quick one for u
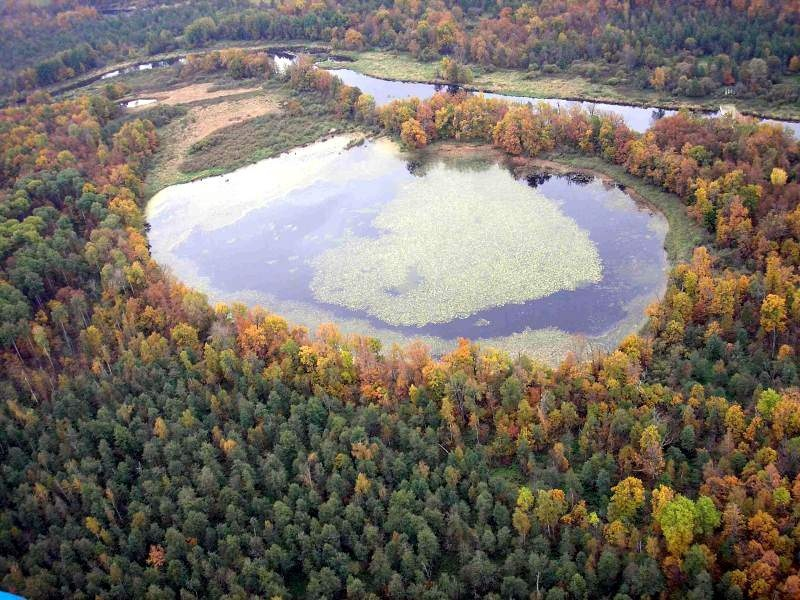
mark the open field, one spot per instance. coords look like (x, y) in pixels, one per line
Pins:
(199, 122)
(255, 139)
(198, 92)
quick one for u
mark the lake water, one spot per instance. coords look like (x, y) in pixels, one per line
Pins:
(436, 248)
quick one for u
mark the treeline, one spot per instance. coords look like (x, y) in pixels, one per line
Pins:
(687, 48)
(46, 43)
(153, 446)
(237, 64)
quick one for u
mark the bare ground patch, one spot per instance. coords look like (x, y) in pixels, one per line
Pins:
(200, 122)
(188, 94)
(197, 92)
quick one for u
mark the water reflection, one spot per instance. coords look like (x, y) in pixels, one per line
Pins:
(384, 91)
(256, 232)
(140, 102)
(638, 118)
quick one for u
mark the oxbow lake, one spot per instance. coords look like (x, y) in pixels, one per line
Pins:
(406, 248)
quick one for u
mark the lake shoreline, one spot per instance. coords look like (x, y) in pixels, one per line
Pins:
(674, 211)
(535, 325)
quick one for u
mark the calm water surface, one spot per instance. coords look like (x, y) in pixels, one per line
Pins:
(638, 118)
(255, 235)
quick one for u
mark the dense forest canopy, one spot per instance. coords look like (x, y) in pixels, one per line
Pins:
(689, 48)
(154, 446)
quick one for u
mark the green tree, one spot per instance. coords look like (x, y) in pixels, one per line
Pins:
(677, 522)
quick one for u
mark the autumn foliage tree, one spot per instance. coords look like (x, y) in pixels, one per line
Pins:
(153, 445)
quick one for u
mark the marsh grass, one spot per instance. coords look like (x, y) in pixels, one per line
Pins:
(263, 137)
(571, 85)
(187, 153)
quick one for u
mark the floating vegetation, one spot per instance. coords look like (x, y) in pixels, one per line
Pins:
(451, 247)
(459, 246)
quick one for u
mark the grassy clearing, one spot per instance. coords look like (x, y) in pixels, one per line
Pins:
(153, 82)
(262, 137)
(390, 65)
(194, 122)
(220, 133)
(683, 235)
(395, 65)
(199, 92)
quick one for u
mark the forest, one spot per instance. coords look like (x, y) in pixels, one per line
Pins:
(746, 48)
(155, 446)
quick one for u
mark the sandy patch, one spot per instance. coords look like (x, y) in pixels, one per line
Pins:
(200, 122)
(197, 92)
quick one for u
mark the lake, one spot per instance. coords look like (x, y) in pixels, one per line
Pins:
(407, 247)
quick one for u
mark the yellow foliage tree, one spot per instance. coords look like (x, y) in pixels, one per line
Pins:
(413, 134)
(627, 499)
(778, 177)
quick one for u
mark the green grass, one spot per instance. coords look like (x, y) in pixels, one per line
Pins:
(142, 83)
(684, 234)
(243, 142)
(391, 65)
(260, 138)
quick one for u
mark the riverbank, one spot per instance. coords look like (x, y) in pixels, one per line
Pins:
(396, 66)
(402, 67)
(86, 79)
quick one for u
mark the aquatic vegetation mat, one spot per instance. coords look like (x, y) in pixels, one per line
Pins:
(451, 247)
(431, 246)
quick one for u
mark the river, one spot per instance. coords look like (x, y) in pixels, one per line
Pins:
(638, 118)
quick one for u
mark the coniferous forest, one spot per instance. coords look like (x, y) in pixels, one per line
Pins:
(154, 444)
